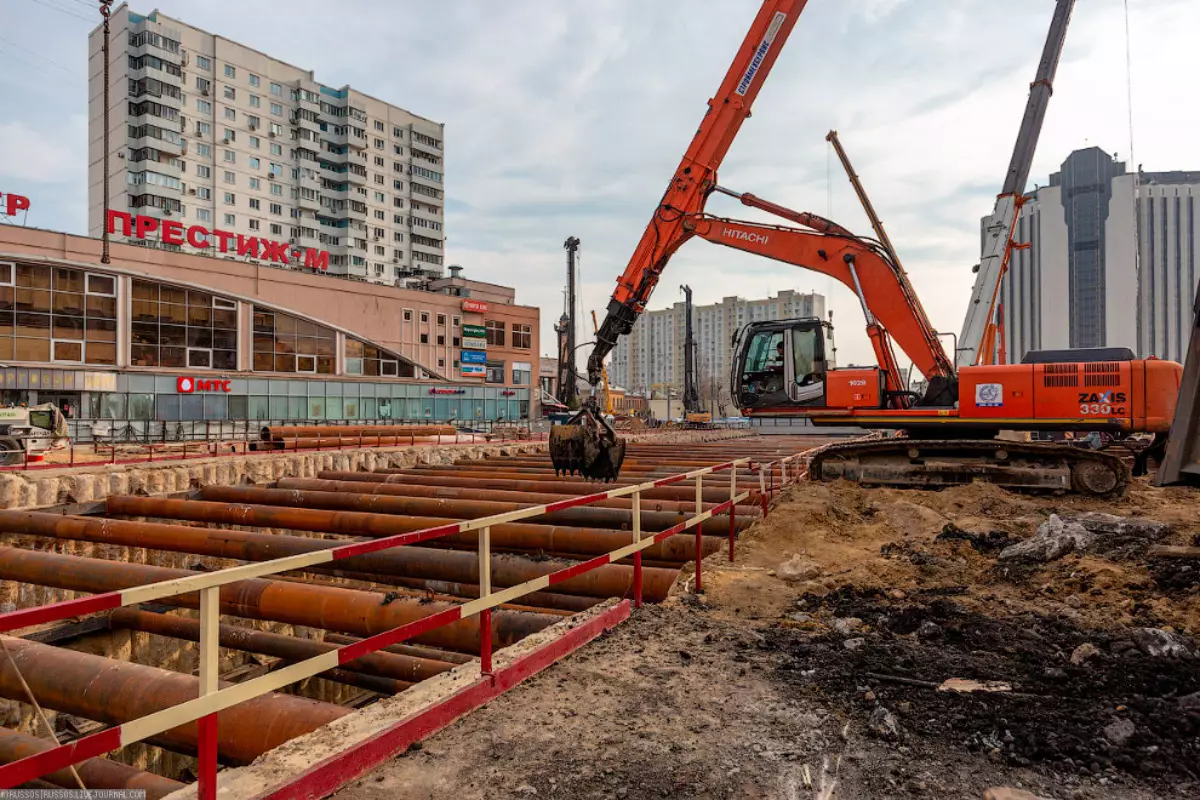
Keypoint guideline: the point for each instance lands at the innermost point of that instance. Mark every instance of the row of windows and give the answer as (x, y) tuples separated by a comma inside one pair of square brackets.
[(175, 407), (522, 335)]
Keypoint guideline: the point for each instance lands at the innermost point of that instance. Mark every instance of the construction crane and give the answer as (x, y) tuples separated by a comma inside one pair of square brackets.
[(568, 392), (693, 409), (977, 342)]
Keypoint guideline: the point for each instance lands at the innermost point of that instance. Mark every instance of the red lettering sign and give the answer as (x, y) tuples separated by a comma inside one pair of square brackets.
[(14, 203), (200, 237), (187, 385), (478, 306)]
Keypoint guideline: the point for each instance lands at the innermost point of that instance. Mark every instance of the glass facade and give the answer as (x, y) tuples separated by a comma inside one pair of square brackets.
[(371, 361), (57, 314), (176, 327), (283, 343)]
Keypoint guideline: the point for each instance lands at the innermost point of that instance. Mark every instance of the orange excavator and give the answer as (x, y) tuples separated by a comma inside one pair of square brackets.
[(948, 431)]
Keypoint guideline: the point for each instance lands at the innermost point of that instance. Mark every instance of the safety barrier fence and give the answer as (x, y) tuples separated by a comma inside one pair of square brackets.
[(212, 698)]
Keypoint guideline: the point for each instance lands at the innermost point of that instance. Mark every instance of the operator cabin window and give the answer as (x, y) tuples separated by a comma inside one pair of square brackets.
[(494, 330)]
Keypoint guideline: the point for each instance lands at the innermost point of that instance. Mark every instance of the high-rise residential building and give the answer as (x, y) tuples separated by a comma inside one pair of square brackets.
[(224, 139), (1097, 273), (650, 358)]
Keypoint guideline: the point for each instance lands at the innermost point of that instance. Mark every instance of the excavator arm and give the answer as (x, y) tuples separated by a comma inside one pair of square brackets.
[(696, 175), (889, 303)]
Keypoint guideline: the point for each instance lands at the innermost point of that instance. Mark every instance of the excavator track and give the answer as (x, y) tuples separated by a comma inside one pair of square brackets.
[(928, 463)]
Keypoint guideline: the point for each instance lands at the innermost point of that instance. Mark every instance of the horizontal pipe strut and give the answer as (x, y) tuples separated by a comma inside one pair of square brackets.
[(333, 608), (509, 535), (611, 580), (115, 692), (96, 773), (456, 509)]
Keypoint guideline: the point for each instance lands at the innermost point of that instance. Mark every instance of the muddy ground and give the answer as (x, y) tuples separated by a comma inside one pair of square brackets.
[(814, 667)]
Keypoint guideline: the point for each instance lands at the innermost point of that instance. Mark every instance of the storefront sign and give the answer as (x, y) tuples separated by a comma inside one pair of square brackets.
[(447, 391), (475, 344), (474, 370), (187, 385), (200, 237), (478, 306), (508, 393), (12, 204), (473, 357), (474, 331)]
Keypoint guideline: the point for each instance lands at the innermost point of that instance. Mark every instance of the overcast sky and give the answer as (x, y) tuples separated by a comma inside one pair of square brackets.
[(568, 118)]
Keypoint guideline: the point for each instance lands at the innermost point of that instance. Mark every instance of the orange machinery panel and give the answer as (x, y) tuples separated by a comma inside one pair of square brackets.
[(1100, 392), (854, 388), (998, 391)]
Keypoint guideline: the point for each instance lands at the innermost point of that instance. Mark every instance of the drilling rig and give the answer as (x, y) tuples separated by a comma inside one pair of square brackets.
[(693, 409)]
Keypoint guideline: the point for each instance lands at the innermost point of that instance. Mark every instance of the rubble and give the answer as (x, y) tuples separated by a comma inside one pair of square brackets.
[(883, 724), (1158, 643), (1083, 653), (1090, 531), (1120, 731), (798, 568)]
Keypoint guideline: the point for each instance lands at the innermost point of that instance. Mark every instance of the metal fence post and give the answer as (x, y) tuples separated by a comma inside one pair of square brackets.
[(699, 528), (485, 589), (783, 480), (210, 615), (732, 507), (762, 490), (637, 557)]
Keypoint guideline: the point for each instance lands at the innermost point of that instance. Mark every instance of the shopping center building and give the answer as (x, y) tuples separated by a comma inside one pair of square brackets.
[(159, 342)]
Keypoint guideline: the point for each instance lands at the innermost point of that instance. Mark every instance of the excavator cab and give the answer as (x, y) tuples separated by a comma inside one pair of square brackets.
[(781, 363)]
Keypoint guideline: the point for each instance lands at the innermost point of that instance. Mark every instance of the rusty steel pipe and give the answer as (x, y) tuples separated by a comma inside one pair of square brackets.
[(291, 648), (652, 521), (464, 493), (509, 535), (271, 432), (115, 692), (555, 485), (518, 474), (545, 600), (406, 649), (610, 580), (96, 773), (366, 441), (333, 608)]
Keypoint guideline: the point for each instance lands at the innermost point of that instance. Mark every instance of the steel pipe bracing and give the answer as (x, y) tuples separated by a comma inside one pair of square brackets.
[(115, 692), (464, 493), (508, 535), (96, 773), (330, 607), (457, 509), (401, 668), (610, 580), (347, 431), (710, 491)]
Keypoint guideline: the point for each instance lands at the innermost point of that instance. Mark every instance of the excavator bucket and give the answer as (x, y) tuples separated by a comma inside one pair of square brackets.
[(586, 445)]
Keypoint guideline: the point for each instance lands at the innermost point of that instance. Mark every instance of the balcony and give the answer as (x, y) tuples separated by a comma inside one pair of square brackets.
[(356, 177), (310, 203), (355, 139)]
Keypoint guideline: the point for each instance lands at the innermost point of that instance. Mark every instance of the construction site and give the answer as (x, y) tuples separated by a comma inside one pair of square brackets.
[(957, 571)]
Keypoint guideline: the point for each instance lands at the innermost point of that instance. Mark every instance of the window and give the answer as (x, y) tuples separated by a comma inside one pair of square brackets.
[(495, 333), (276, 90), (495, 372), (522, 336), (424, 338), (276, 229), (254, 79), (255, 101), (203, 149), (398, 202), (277, 109), (203, 106), (230, 113), (457, 322), (255, 163), (276, 190), (521, 373), (398, 133), (203, 214), (229, 156), (230, 177), (230, 93), (203, 85), (230, 71), (230, 134), (255, 184), (424, 317), (203, 171), (408, 315), (254, 204), (204, 193), (276, 149), (230, 199), (366, 359), (203, 62), (253, 222), (379, 144), (378, 161), (230, 219), (203, 129), (441, 320), (176, 327), (253, 122), (398, 150), (378, 125), (441, 340), (283, 343), (276, 209)]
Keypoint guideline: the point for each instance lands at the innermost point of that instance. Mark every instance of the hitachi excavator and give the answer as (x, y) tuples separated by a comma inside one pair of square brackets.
[(947, 431)]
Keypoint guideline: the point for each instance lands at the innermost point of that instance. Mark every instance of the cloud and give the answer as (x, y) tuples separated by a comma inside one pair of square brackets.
[(48, 154)]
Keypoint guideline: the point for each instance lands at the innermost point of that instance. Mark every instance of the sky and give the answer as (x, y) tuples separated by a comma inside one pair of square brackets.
[(567, 119)]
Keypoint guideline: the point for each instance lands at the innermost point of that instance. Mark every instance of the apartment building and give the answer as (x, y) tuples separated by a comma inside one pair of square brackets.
[(225, 139), (650, 358), (1111, 261)]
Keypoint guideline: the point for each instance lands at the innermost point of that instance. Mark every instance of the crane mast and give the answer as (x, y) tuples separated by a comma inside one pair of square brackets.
[(979, 324), (691, 394)]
